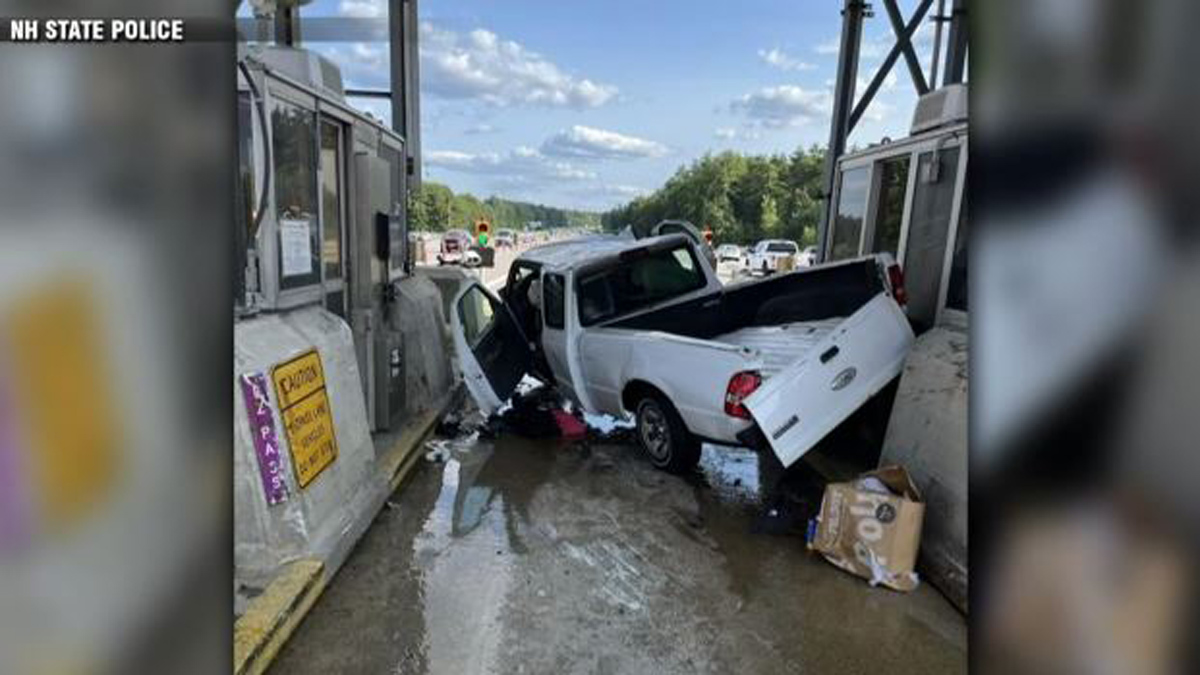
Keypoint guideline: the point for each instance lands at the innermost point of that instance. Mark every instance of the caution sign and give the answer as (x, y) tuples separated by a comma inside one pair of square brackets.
[(307, 417)]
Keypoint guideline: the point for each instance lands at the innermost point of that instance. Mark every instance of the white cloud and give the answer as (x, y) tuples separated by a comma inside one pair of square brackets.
[(777, 58), (878, 47), (363, 9), (479, 129), (783, 106), (523, 165), (732, 134), (479, 65), (869, 48), (582, 142)]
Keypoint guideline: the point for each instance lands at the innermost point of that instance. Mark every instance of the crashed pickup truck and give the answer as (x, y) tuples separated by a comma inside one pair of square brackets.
[(644, 327)]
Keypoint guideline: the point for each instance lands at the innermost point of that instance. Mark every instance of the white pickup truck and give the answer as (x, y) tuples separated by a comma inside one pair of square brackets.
[(645, 327)]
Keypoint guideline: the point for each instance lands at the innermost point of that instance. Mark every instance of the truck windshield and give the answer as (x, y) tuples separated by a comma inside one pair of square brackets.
[(780, 247), (638, 283)]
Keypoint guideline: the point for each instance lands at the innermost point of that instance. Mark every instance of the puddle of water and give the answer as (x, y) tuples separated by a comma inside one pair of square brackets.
[(465, 554), (732, 474)]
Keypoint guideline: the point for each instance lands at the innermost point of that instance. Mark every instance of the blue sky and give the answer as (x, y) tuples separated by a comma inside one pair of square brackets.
[(587, 103)]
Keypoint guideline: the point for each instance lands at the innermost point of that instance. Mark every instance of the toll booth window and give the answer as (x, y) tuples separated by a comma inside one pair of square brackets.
[(295, 165), (956, 293), (395, 162), (889, 212), (851, 208), (553, 300), (477, 315), (331, 200)]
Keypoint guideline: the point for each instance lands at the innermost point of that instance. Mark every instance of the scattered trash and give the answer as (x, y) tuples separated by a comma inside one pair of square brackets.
[(569, 425), (439, 451), (871, 527)]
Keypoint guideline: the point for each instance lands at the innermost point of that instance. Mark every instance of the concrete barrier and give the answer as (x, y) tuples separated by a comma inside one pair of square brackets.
[(323, 519), (927, 434), (419, 315), (289, 538)]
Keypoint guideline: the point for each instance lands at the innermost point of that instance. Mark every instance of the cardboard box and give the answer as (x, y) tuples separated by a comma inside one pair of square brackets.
[(871, 527)]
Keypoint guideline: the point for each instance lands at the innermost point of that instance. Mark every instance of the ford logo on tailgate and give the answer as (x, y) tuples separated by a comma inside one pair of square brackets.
[(844, 378)]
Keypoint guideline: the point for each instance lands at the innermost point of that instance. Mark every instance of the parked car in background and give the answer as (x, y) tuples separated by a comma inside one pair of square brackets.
[(807, 257), (455, 243), (505, 239), (729, 253), (645, 327), (772, 255)]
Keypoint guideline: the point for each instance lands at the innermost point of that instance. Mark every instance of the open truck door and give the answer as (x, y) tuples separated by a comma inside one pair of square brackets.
[(493, 352)]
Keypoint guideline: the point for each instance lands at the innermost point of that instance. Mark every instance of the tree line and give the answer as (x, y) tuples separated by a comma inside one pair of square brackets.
[(436, 208), (743, 198)]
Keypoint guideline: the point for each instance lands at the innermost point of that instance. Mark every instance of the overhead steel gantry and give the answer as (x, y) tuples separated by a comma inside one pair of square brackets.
[(847, 112)]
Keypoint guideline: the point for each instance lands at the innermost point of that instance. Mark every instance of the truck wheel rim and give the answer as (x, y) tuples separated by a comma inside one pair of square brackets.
[(654, 431)]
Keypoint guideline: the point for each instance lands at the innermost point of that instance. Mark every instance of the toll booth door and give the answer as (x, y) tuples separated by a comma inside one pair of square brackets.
[(368, 274), (929, 223)]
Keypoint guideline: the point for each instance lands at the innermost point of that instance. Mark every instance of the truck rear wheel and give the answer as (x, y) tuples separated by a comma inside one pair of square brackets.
[(664, 437)]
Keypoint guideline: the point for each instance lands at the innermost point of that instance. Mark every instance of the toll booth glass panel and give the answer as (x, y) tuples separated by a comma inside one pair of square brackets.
[(331, 200), (956, 288), (852, 206), (889, 212), (929, 223), (398, 237), (294, 149)]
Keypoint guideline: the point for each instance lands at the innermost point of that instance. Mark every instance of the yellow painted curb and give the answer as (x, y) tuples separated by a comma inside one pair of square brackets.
[(260, 633)]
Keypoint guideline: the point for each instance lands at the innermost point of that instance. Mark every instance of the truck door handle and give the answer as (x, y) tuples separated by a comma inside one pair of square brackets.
[(711, 303), (829, 354)]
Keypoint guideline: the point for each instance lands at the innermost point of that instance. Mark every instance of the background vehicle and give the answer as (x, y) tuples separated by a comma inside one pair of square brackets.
[(771, 255), (729, 253), (506, 239), (807, 257), (645, 327), (454, 244)]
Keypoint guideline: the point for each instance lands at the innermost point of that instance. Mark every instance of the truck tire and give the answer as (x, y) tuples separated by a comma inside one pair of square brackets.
[(664, 437)]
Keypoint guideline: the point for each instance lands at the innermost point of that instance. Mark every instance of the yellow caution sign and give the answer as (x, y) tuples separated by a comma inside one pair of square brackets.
[(307, 416)]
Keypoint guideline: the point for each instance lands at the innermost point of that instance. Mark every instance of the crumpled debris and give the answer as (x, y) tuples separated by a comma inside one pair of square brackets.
[(441, 449)]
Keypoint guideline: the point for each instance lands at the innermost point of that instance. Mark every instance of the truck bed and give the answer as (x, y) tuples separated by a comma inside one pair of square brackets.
[(782, 345)]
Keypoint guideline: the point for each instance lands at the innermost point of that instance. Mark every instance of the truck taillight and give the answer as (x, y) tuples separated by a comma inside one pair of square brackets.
[(896, 279), (740, 386)]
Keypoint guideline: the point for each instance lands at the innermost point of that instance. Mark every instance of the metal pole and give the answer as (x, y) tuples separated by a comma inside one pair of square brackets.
[(905, 43), (843, 100), (956, 44), (412, 129), (937, 44), (287, 26), (396, 52)]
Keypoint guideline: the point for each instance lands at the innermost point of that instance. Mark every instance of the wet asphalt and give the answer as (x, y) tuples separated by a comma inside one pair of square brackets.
[(543, 556)]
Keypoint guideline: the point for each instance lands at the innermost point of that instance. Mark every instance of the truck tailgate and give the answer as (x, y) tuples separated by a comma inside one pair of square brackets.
[(801, 404)]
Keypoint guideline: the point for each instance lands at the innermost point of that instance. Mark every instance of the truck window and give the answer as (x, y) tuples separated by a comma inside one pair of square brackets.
[(644, 281), (781, 247), (552, 300), (477, 314)]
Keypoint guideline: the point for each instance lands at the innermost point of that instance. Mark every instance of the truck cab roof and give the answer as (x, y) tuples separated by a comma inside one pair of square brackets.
[(582, 251)]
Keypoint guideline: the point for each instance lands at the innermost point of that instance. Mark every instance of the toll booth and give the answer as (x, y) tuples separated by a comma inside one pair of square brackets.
[(906, 197), (324, 192)]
